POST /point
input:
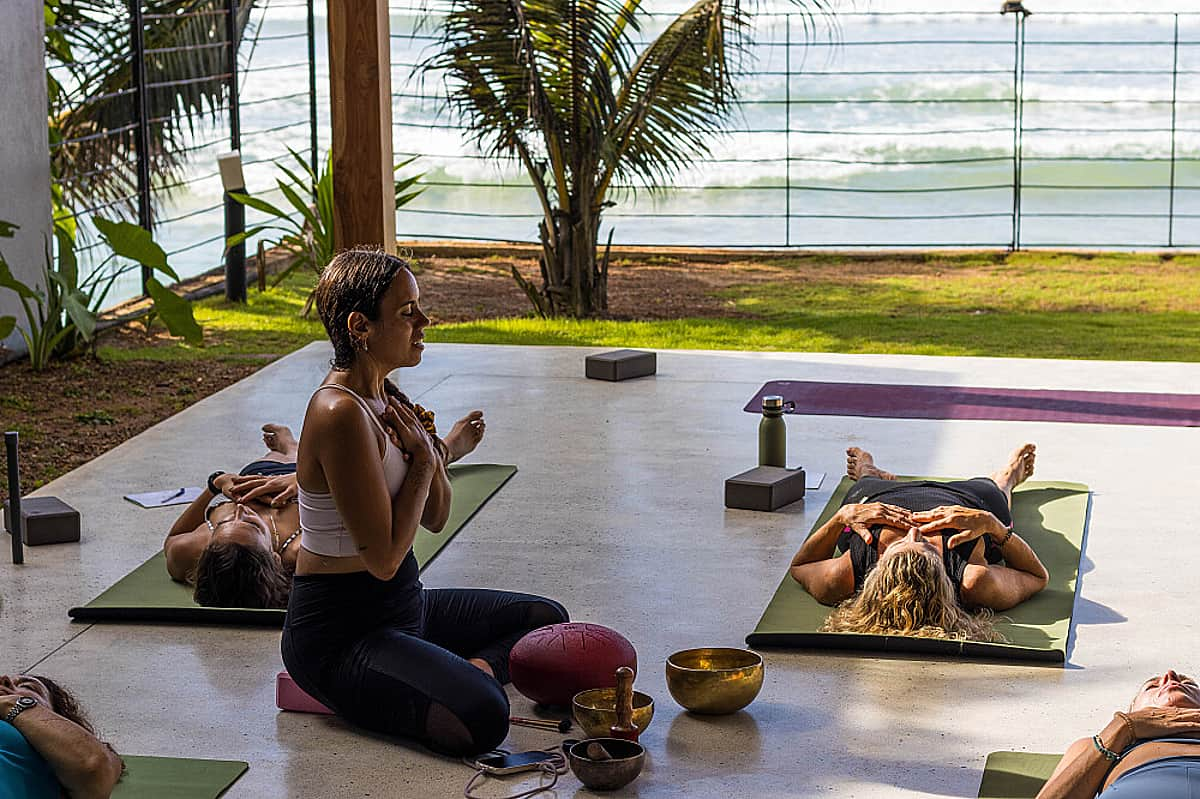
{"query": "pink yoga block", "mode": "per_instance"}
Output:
(289, 696)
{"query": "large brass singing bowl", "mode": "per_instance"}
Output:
(595, 710)
(714, 680)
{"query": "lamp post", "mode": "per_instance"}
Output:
(235, 222)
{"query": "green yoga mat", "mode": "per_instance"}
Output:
(176, 777)
(1051, 516)
(149, 594)
(1016, 775)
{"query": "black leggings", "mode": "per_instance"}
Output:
(392, 656)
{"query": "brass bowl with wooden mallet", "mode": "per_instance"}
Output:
(595, 710)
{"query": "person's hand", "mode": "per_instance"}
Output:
(1165, 722)
(971, 522)
(861, 517)
(406, 432)
(276, 491)
(9, 695)
(224, 481)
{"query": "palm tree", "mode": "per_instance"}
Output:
(92, 104)
(560, 86)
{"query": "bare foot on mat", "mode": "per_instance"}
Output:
(860, 463)
(1018, 469)
(279, 438)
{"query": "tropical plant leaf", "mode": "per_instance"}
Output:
(260, 204)
(175, 311)
(9, 281)
(68, 264)
(8, 229)
(299, 204)
(75, 305)
(179, 38)
(130, 241)
(679, 94)
(238, 238)
(403, 195)
(7, 324)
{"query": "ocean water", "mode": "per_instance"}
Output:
(889, 127)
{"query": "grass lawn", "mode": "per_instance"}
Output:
(1043, 305)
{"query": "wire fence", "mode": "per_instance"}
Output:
(227, 61)
(937, 129)
(907, 130)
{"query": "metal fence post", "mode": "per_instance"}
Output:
(142, 131)
(1019, 15)
(1174, 106)
(312, 93)
(787, 133)
(235, 212)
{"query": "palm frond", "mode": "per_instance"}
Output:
(679, 94)
(94, 110)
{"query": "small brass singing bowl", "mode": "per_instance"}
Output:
(595, 711)
(624, 763)
(714, 680)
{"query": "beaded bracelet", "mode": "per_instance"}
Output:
(1128, 722)
(1109, 754)
(1000, 544)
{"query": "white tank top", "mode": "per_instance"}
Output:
(322, 530)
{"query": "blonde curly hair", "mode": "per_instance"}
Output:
(909, 593)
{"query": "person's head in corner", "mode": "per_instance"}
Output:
(909, 593)
(240, 567)
(49, 693)
(1169, 689)
(370, 305)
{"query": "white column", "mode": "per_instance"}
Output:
(24, 150)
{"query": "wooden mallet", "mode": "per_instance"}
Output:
(624, 728)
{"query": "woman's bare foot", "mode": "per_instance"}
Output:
(465, 436)
(279, 438)
(1018, 469)
(860, 463)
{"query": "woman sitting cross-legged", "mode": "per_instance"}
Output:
(923, 558)
(362, 635)
(48, 750)
(1149, 751)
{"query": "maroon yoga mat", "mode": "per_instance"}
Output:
(959, 402)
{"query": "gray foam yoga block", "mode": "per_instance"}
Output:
(48, 520)
(620, 365)
(764, 488)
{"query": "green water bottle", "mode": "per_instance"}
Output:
(772, 433)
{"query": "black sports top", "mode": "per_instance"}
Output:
(981, 493)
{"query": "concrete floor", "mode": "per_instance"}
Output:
(617, 512)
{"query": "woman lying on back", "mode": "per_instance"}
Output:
(236, 543)
(1150, 751)
(921, 558)
(362, 635)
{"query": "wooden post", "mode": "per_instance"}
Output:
(360, 93)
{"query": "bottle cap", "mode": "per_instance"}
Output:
(772, 402)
